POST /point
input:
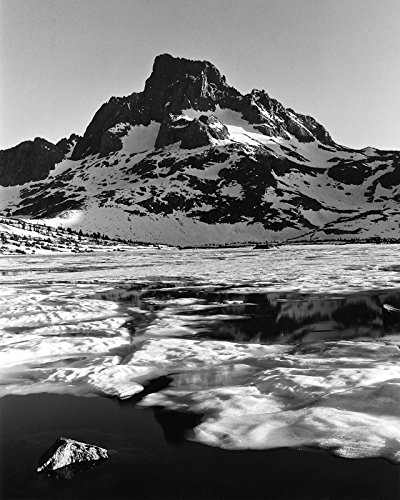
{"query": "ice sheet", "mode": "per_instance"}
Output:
(296, 347)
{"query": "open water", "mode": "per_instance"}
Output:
(296, 347)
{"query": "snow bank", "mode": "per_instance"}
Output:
(140, 138)
(343, 398)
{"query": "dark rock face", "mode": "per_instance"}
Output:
(258, 107)
(171, 130)
(273, 119)
(235, 176)
(316, 129)
(65, 452)
(176, 84)
(350, 172)
(201, 131)
(393, 177)
(67, 145)
(183, 83)
(116, 110)
(29, 161)
(110, 140)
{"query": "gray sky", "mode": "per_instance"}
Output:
(337, 60)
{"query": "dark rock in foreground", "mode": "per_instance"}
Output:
(68, 451)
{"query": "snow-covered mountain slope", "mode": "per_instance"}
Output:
(18, 236)
(191, 161)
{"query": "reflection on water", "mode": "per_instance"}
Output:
(233, 314)
(70, 471)
(298, 347)
(177, 426)
(150, 459)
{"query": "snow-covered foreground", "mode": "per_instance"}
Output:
(295, 347)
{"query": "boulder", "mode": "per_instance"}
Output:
(68, 451)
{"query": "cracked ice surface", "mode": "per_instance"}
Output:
(343, 397)
(295, 347)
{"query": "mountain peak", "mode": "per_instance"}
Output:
(192, 160)
(168, 69)
(28, 161)
(178, 84)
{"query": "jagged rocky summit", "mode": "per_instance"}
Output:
(33, 160)
(191, 161)
(65, 452)
(179, 84)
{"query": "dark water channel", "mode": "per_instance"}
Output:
(245, 314)
(151, 459)
(151, 455)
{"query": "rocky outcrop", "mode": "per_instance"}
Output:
(176, 84)
(350, 172)
(171, 130)
(66, 451)
(116, 110)
(202, 131)
(271, 118)
(29, 161)
(67, 144)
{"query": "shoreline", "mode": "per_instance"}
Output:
(164, 246)
(150, 458)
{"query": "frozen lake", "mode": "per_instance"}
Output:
(294, 347)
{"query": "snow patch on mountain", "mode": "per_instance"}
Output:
(239, 129)
(177, 229)
(226, 166)
(19, 236)
(140, 138)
